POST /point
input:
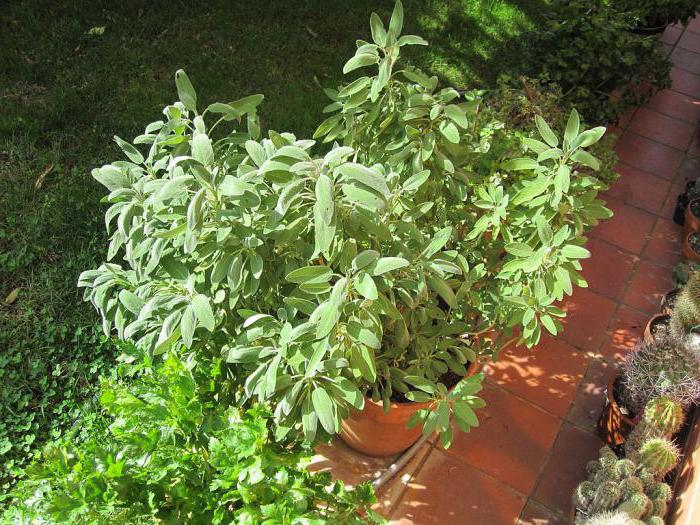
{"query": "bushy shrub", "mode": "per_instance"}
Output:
(603, 69)
(371, 269)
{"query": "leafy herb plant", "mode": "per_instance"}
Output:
(376, 268)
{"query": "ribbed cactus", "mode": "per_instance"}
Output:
(663, 367)
(636, 506)
(659, 456)
(686, 312)
(607, 496)
(654, 520)
(666, 414)
(663, 417)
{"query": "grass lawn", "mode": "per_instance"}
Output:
(64, 93)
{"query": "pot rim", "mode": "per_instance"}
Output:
(687, 236)
(613, 402)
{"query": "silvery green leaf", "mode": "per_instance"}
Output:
(185, 90)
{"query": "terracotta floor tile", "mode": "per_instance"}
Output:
(547, 375)
(685, 59)
(671, 35)
(448, 492)
(628, 228)
(608, 268)
(346, 464)
(689, 170)
(662, 128)
(648, 155)
(390, 495)
(588, 316)
(566, 468)
(623, 333)
(590, 397)
(693, 25)
(685, 82)
(676, 105)
(647, 286)
(664, 246)
(689, 41)
(639, 188)
(694, 148)
(535, 513)
(512, 441)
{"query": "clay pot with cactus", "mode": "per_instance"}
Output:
(664, 366)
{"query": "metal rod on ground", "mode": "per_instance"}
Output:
(395, 467)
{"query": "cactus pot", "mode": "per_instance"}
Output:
(653, 324)
(692, 221)
(613, 425)
(690, 241)
(668, 301)
(373, 432)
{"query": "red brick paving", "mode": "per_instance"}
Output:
(538, 429)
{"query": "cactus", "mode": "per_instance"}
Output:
(664, 413)
(686, 312)
(636, 506)
(624, 468)
(663, 367)
(612, 518)
(630, 486)
(583, 494)
(659, 507)
(648, 480)
(607, 496)
(654, 520)
(659, 455)
(661, 491)
(592, 467)
(663, 417)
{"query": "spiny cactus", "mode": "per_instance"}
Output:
(583, 494)
(624, 468)
(607, 496)
(686, 312)
(636, 506)
(612, 518)
(659, 456)
(663, 417)
(654, 520)
(648, 480)
(661, 491)
(663, 367)
(630, 486)
(659, 507)
(664, 413)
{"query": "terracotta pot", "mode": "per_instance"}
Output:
(373, 432)
(655, 319)
(692, 222)
(613, 425)
(688, 252)
(665, 305)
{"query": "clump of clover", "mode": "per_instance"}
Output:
(374, 269)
